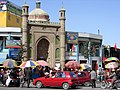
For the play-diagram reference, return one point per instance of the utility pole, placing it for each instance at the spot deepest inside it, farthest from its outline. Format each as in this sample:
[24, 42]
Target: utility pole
[89, 54]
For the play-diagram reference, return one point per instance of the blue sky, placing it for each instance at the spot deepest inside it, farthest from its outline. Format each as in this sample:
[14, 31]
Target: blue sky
[85, 16]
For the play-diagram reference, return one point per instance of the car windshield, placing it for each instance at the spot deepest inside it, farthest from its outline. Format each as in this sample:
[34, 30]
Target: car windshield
[72, 74]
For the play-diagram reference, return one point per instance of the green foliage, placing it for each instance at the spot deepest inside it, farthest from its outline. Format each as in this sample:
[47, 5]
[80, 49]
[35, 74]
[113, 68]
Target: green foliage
[21, 51]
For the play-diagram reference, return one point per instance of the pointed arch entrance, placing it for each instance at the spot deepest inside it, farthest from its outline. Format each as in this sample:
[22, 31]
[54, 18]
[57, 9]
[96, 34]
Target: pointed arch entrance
[43, 49]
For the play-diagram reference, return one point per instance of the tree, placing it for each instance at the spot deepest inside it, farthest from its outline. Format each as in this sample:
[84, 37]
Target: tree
[22, 51]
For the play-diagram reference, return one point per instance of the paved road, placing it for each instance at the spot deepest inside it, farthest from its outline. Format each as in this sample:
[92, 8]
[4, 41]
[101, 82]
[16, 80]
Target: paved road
[32, 87]
[49, 88]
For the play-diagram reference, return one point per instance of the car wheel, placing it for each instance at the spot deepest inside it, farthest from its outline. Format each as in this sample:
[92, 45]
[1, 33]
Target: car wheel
[87, 84]
[39, 84]
[65, 86]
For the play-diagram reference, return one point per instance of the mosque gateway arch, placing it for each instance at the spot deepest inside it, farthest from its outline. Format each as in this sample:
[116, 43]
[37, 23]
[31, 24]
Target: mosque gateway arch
[43, 49]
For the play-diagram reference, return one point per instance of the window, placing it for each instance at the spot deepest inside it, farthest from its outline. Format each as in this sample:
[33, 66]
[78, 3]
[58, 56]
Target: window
[81, 74]
[8, 17]
[17, 20]
[61, 14]
[24, 10]
[30, 38]
[57, 40]
[57, 53]
[1, 38]
[72, 74]
[60, 75]
[15, 38]
[70, 47]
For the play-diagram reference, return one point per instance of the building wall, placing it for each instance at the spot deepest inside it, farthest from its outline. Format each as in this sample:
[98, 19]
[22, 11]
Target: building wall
[17, 20]
[3, 19]
[9, 19]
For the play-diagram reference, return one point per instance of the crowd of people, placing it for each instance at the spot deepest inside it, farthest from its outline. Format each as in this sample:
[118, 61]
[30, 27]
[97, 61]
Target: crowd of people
[22, 75]
[103, 74]
[28, 74]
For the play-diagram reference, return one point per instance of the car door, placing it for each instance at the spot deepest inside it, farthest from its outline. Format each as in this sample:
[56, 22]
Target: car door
[48, 81]
[60, 78]
[81, 77]
[84, 77]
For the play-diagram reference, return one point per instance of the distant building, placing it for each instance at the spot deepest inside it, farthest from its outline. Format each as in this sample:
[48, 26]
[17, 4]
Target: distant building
[109, 51]
[10, 30]
[10, 14]
[84, 48]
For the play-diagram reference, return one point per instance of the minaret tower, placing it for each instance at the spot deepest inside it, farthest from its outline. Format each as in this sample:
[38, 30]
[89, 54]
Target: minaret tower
[25, 31]
[38, 4]
[62, 37]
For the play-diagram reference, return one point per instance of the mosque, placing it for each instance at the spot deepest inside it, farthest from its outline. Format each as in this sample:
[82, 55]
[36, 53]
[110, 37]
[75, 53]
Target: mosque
[41, 38]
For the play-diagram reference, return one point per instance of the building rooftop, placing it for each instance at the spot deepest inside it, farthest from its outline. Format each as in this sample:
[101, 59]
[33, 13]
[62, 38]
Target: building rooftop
[89, 35]
[10, 29]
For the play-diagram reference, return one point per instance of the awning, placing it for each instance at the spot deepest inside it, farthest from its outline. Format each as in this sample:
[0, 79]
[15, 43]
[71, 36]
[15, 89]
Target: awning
[13, 46]
[3, 57]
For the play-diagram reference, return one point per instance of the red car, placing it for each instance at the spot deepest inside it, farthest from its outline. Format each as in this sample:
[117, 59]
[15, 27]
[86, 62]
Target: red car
[84, 78]
[63, 79]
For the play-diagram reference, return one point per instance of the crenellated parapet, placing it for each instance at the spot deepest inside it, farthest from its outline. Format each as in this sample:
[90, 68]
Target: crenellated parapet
[44, 23]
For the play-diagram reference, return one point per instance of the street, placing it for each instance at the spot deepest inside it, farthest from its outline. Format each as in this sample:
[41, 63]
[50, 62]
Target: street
[48, 88]
[32, 87]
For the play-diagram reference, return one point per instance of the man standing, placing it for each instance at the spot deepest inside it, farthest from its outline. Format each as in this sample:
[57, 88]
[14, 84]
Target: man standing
[99, 73]
[28, 73]
[93, 78]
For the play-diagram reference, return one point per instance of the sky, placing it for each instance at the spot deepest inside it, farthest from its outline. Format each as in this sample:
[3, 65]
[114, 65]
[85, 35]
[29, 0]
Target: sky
[85, 16]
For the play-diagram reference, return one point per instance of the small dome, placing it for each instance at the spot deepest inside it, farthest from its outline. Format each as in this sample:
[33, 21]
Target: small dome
[38, 14]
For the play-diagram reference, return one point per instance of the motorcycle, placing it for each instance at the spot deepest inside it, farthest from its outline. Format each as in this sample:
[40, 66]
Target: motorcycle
[108, 84]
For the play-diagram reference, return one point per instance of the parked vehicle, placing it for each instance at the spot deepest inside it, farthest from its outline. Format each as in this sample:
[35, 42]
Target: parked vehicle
[107, 84]
[84, 78]
[64, 79]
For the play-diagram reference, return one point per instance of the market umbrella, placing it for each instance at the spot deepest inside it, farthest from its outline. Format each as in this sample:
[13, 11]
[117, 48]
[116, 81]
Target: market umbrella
[85, 66]
[72, 64]
[112, 65]
[29, 63]
[111, 59]
[42, 63]
[9, 63]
